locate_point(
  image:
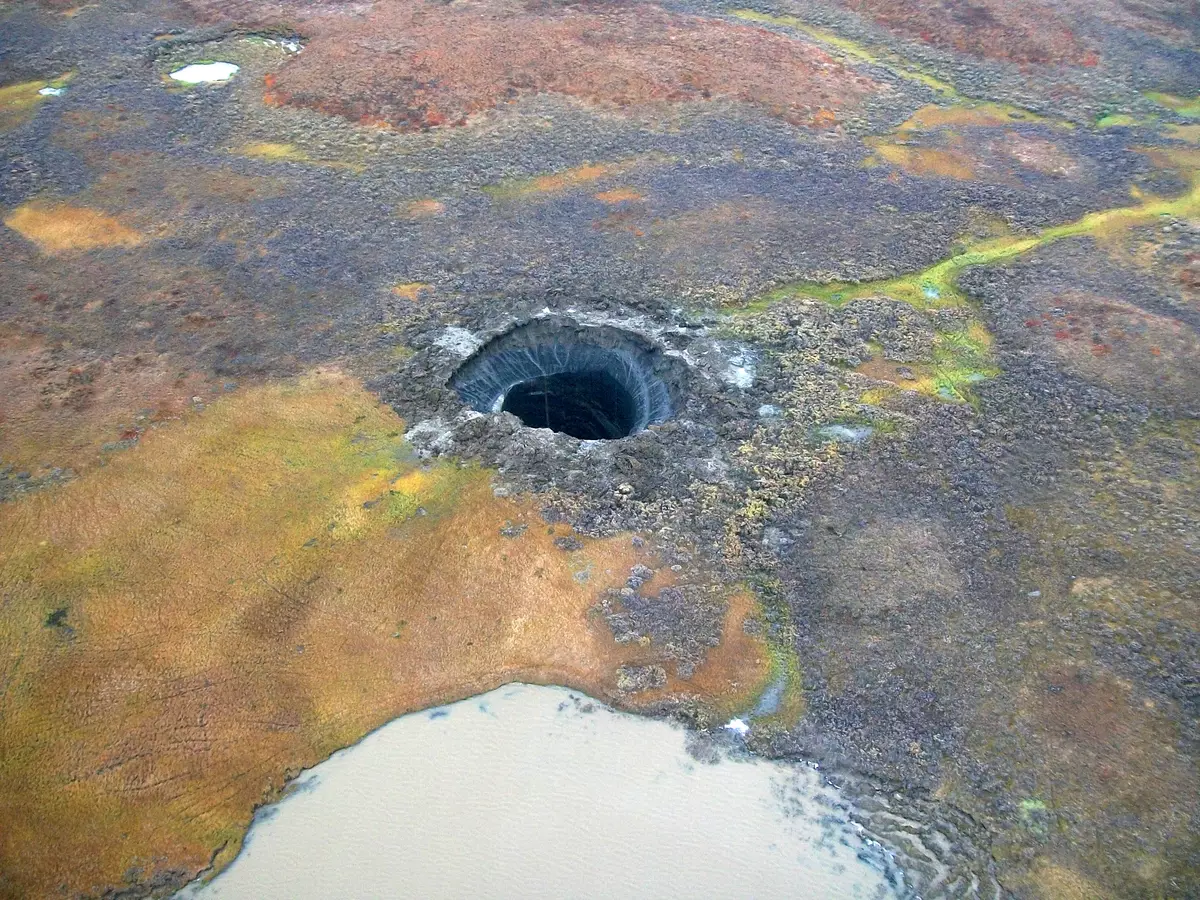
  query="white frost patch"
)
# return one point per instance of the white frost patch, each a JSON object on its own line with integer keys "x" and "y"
{"x": 204, "y": 73}
{"x": 738, "y": 727}
{"x": 52, "y": 92}
{"x": 290, "y": 45}
{"x": 769, "y": 411}
{"x": 740, "y": 372}
{"x": 458, "y": 340}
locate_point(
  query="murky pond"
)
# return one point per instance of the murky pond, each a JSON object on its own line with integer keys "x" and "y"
{"x": 539, "y": 792}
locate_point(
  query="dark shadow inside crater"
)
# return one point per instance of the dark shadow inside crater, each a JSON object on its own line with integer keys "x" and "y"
{"x": 592, "y": 406}
{"x": 590, "y": 382}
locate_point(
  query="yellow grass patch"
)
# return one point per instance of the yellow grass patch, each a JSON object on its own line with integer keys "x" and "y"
{"x": 411, "y": 290}
{"x": 1054, "y": 882}
{"x": 273, "y": 150}
{"x": 962, "y": 115}
{"x": 926, "y": 161}
{"x": 62, "y": 228}
{"x": 255, "y": 587}
{"x": 1189, "y": 133}
{"x": 950, "y": 157}
{"x": 556, "y": 182}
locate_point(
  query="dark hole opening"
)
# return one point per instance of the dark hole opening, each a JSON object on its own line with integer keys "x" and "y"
{"x": 592, "y": 406}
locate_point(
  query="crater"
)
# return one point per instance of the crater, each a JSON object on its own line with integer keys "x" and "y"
{"x": 592, "y": 382}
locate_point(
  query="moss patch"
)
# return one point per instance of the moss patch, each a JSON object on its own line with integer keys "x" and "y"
{"x": 1184, "y": 106}
{"x": 19, "y": 102}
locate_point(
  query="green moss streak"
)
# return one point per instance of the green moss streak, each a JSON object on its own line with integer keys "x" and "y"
{"x": 1189, "y": 108}
{"x": 780, "y": 633}
{"x": 937, "y": 286}
{"x": 1116, "y": 120}
{"x": 18, "y": 102}
{"x": 961, "y": 359}
{"x": 849, "y": 48}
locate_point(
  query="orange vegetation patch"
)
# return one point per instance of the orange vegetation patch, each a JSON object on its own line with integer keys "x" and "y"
{"x": 966, "y": 141}
{"x": 909, "y": 376}
{"x": 411, "y": 290}
{"x": 62, "y": 228}
{"x": 255, "y": 587}
{"x": 556, "y": 182}
{"x": 619, "y": 195}
{"x": 1039, "y": 32}
{"x": 420, "y": 63}
{"x": 422, "y": 209}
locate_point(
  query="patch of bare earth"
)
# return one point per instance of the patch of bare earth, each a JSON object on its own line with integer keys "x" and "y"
{"x": 422, "y": 64}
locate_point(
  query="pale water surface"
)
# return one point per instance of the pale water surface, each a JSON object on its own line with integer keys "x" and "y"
{"x": 539, "y": 793}
{"x": 202, "y": 73}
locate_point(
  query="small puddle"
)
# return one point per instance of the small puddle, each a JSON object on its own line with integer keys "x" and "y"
{"x": 204, "y": 73}
{"x": 538, "y": 792}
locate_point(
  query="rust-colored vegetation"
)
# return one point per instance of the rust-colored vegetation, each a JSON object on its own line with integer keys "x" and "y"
{"x": 1027, "y": 32}
{"x": 1118, "y": 344}
{"x": 418, "y": 64}
{"x": 1109, "y": 790}
{"x": 255, "y": 587}
{"x": 619, "y": 195}
{"x": 424, "y": 208}
{"x": 61, "y": 404}
{"x": 1018, "y": 31}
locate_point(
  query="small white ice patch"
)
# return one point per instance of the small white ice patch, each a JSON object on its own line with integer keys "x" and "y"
{"x": 290, "y": 45}
{"x": 204, "y": 73}
{"x": 739, "y": 374}
{"x": 52, "y": 92}
{"x": 738, "y": 727}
